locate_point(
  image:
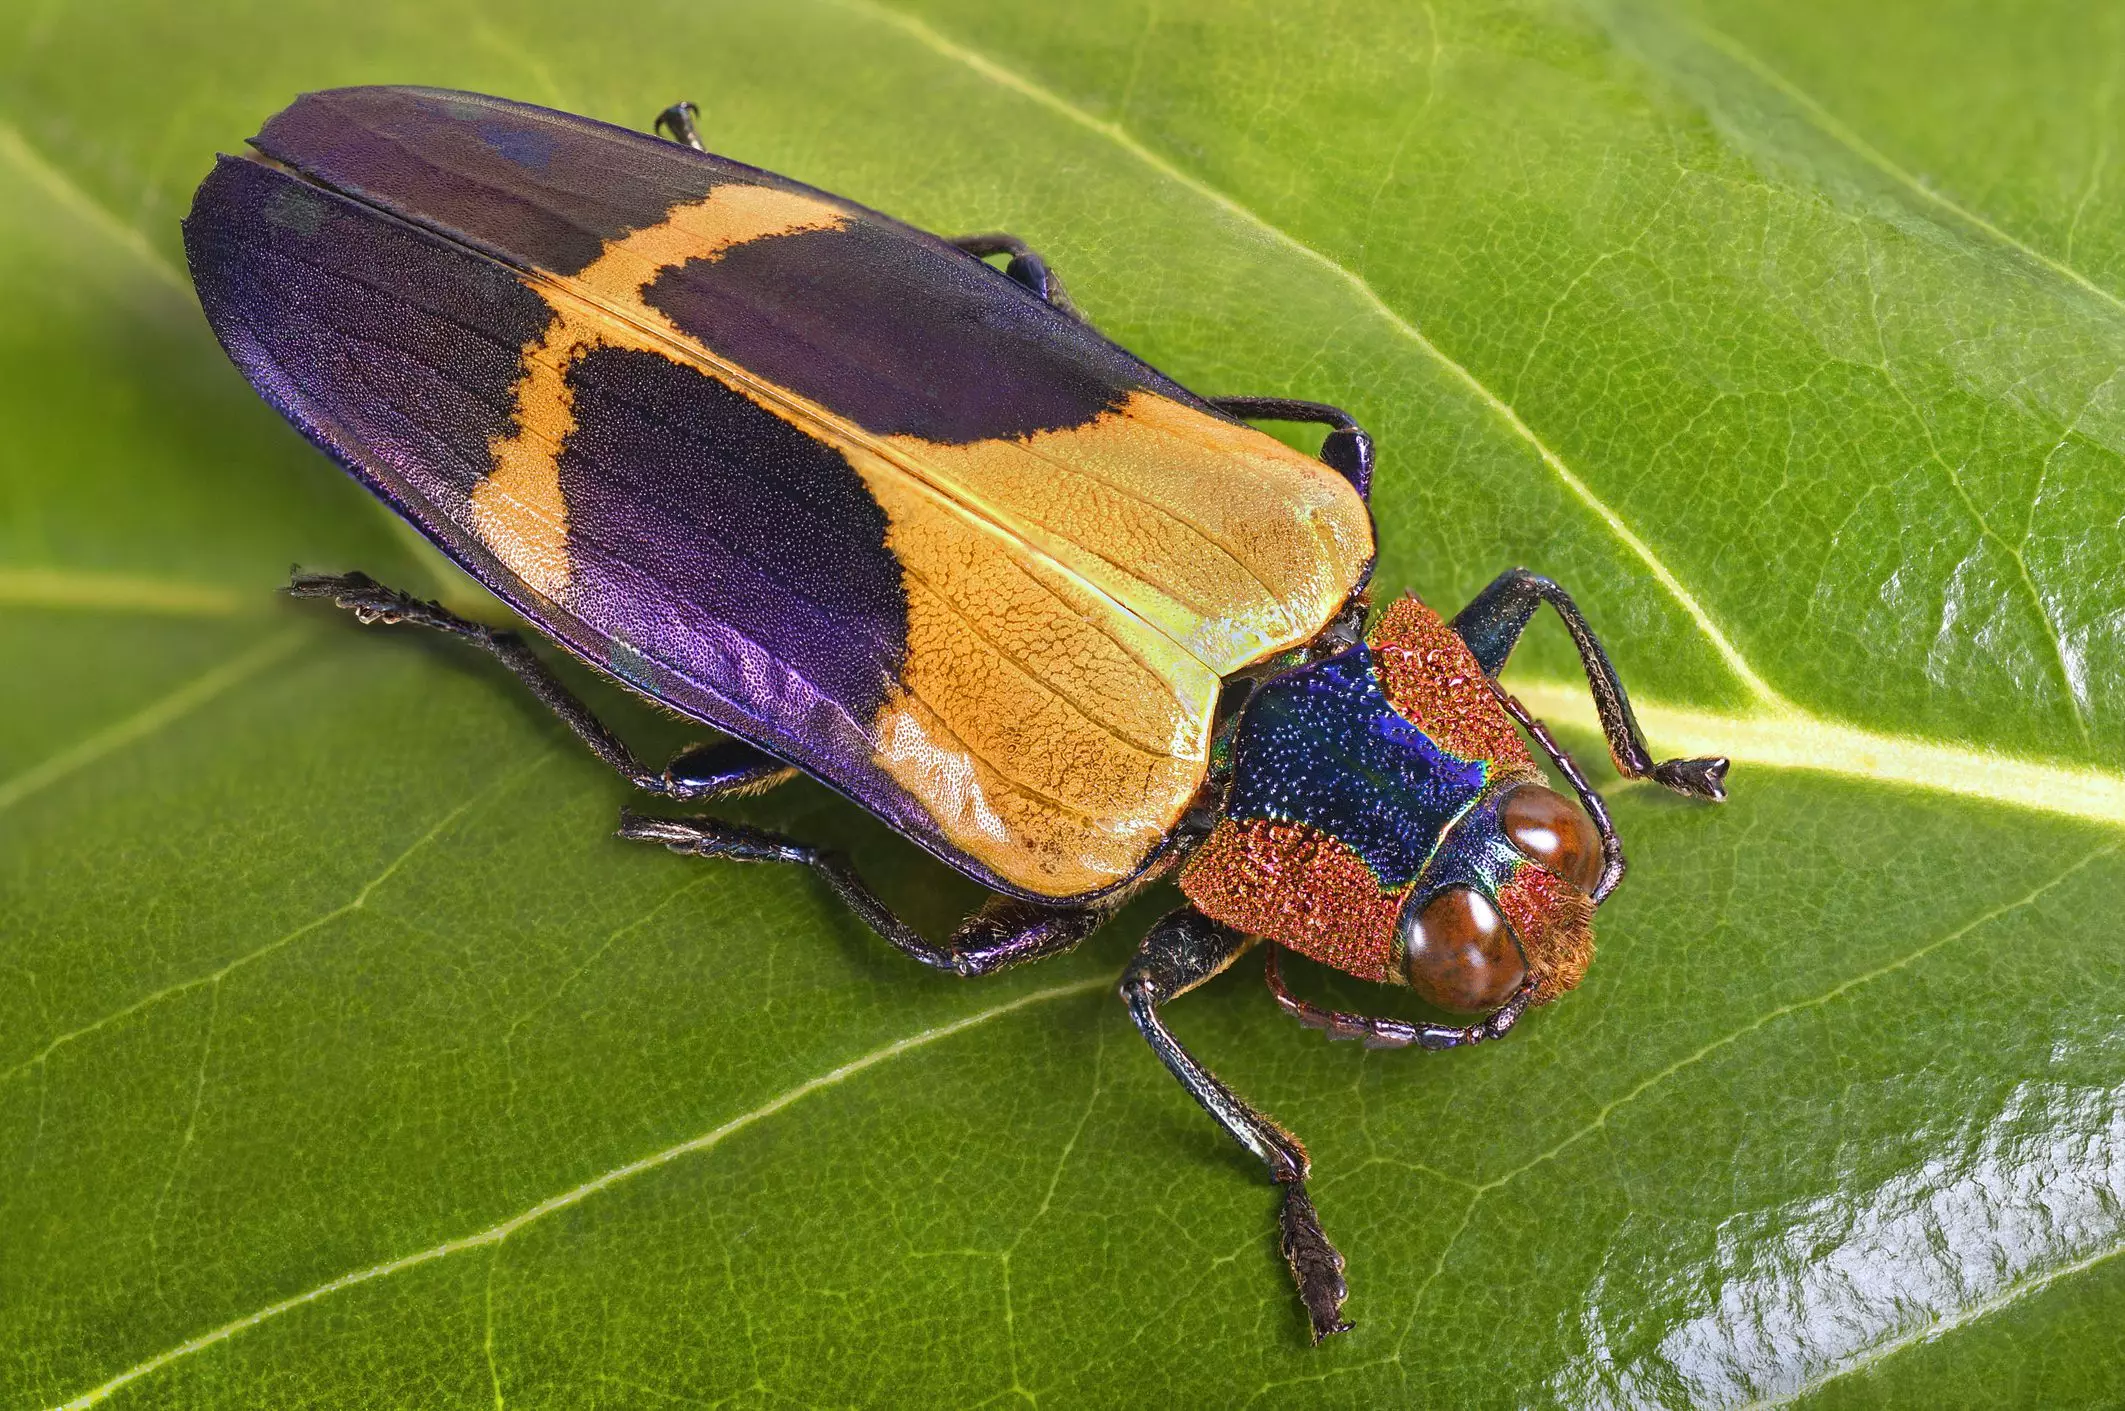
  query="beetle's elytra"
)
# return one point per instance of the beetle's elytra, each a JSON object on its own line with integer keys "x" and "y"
{"x": 886, "y": 514}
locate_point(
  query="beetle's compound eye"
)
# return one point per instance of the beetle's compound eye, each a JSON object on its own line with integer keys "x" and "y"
{"x": 1550, "y": 829}
{"x": 1459, "y": 952}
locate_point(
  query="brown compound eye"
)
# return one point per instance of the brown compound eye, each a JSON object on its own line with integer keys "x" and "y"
{"x": 1550, "y": 829}
{"x": 1459, "y": 953}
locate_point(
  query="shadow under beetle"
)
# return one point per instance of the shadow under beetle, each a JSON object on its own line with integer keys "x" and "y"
{"x": 888, "y": 515}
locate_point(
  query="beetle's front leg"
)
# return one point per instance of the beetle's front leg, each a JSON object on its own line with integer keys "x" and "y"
{"x": 1491, "y": 625}
{"x": 1004, "y": 932}
{"x": 1183, "y": 950}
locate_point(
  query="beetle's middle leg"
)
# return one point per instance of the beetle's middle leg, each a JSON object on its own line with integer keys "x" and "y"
{"x": 726, "y": 768}
{"x": 1347, "y": 449}
{"x": 1182, "y": 951}
{"x": 1491, "y": 625}
{"x": 1026, "y": 267}
{"x": 1004, "y": 932}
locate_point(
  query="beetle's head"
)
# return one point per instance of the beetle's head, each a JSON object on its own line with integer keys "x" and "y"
{"x": 1510, "y": 890}
{"x": 1385, "y": 818}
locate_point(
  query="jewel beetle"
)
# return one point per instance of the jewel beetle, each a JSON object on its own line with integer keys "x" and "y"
{"x": 882, "y": 512}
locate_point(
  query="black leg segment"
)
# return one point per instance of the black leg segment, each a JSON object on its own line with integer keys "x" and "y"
{"x": 1612, "y": 864}
{"x": 1183, "y": 950}
{"x": 1005, "y": 932}
{"x": 726, "y": 769}
{"x": 743, "y": 769}
{"x": 1026, "y": 266}
{"x": 1347, "y": 449}
{"x": 1492, "y": 624}
{"x": 1375, "y": 1031}
{"x": 680, "y": 122}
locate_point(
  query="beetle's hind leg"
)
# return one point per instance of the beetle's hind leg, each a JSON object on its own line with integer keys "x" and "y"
{"x": 728, "y": 767}
{"x": 681, "y": 123}
{"x": 725, "y": 769}
{"x": 1183, "y": 950}
{"x": 1491, "y": 625}
{"x": 1026, "y": 266}
{"x": 1003, "y": 933}
{"x": 1346, "y": 450}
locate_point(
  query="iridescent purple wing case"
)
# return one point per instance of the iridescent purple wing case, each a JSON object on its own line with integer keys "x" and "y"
{"x": 793, "y": 468}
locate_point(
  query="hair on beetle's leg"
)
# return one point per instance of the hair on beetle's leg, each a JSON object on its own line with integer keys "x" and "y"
{"x": 1183, "y": 950}
{"x": 1491, "y": 625}
{"x": 1004, "y": 932}
{"x": 1026, "y": 267}
{"x": 372, "y": 603}
{"x": 726, "y": 769}
{"x": 1346, "y": 450}
{"x": 680, "y": 122}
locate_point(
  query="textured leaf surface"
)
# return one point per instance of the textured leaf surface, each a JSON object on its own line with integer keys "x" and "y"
{"x": 346, "y": 1060}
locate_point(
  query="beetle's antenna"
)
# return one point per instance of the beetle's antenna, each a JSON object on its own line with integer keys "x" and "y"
{"x": 1375, "y": 1031}
{"x": 1611, "y": 845}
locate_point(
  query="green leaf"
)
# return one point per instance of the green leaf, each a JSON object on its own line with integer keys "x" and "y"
{"x": 345, "y": 1058}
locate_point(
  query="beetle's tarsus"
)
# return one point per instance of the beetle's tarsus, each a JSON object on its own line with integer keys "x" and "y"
{"x": 370, "y": 601}
{"x": 1695, "y": 778}
{"x": 1316, "y": 1264}
{"x": 373, "y": 604}
{"x": 712, "y": 838}
{"x": 679, "y": 123}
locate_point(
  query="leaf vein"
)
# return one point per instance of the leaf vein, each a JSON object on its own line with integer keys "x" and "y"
{"x": 117, "y": 593}
{"x": 63, "y": 189}
{"x": 149, "y": 719}
{"x": 495, "y": 1234}
{"x": 215, "y": 977}
{"x": 1840, "y": 989}
{"x": 1793, "y": 739}
{"x": 1831, "y": 126}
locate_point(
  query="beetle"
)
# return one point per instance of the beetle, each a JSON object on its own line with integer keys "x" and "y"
{"x": 886, "y": 514}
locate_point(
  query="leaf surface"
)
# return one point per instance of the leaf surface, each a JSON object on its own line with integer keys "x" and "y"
{"x": 346, "y": 1059}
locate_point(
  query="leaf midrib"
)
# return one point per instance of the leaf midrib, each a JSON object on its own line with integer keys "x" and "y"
{"x": 1774, "y": 737}
{"x": 1013, "y": 81}
{"x": 1789, "y": 736}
